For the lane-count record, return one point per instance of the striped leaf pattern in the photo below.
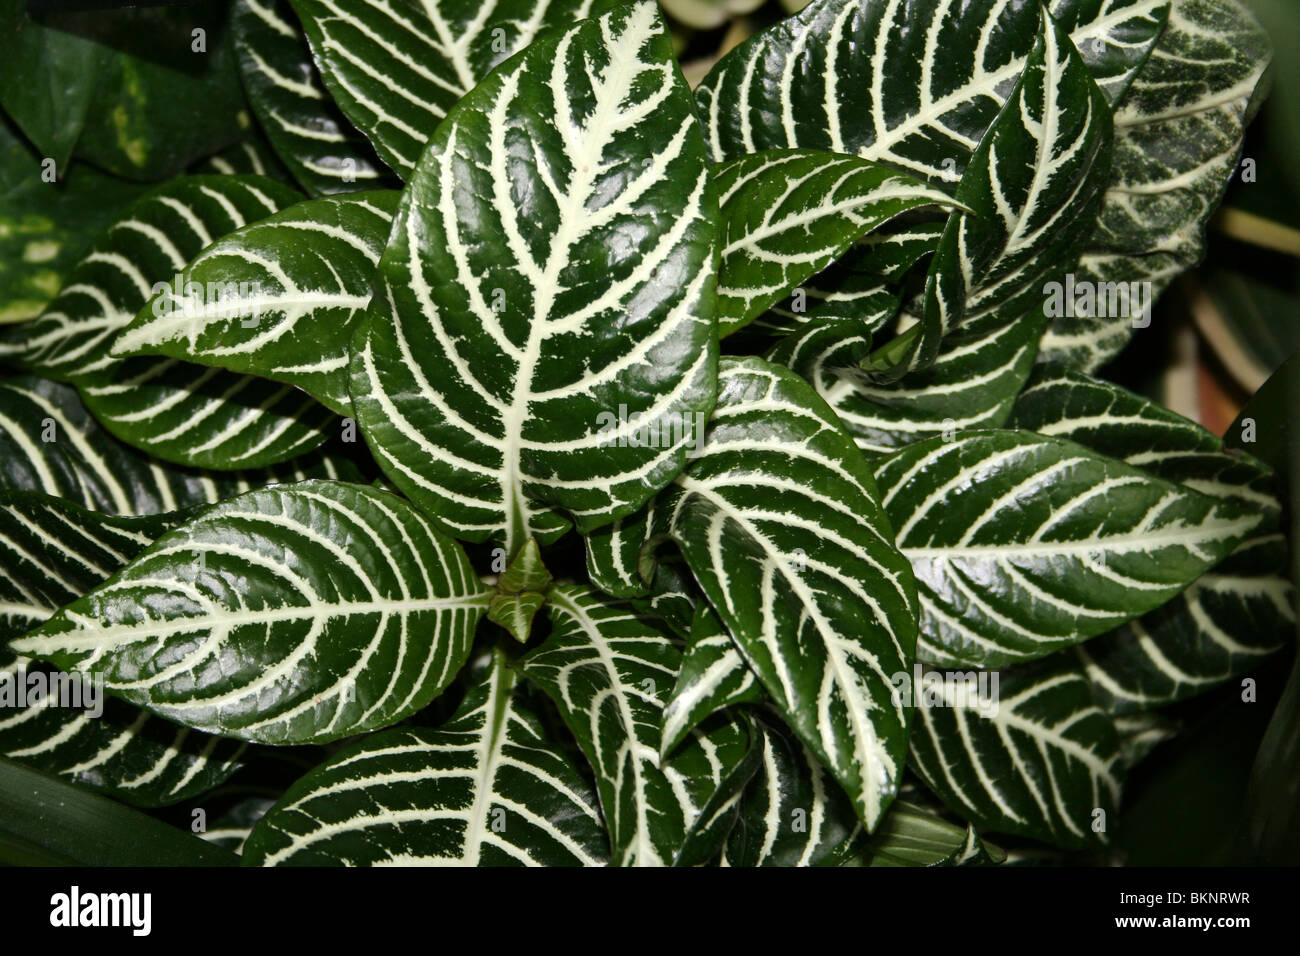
(1045, 764)
(913, 86)
(325, 153)
(713, 676)
(610, 672)
(778, 519)
(614, 554)
(49, 443)
(788, 214)
(251, 156)
(152, 241)
(1178, 137)
(206, 418)
(484, 789)
(125, 752)
(1023, 544)
(545, 293)
(297, 283)
(972, 384)
(674, 596)
(793, 813)
(331, 608)
(515, 612)
(1229, 618)
(916, 836)
(864, 285)
(396, 67)
(51, 553)
(1037, 173)
(47, 227)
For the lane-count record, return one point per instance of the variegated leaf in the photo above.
(865, 285)
(973, 383)
(788, 214)
(50, 444)
(546, 293)
(1178, 136)
(325, 153)
(484, 789)
(397, 67)
(1038, 173)
(614, 554)
(793, 813)
(145, 247)
(1142, 732)
(1023, 545)
(51, 553)
(296, 284)
(778, 519)
(713, 676)
(1039, 759)
(1229, 618)
(123, 751)
(250, 157)
(909, 85)
(915, 836)
(515, 612)
(527, 571)
(45, 228)
(293, 614)
(206, 418)
(609, 673)
(674, 595)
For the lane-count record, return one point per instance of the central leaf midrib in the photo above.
(125, 634)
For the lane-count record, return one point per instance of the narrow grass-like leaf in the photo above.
(913, 836)
(92, 831)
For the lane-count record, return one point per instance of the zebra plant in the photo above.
(563, 466)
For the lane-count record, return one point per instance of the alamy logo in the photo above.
(665, 431)
(969, 690)
(1099, 300)
(21, 688)
(74, 908)
(190, 304)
